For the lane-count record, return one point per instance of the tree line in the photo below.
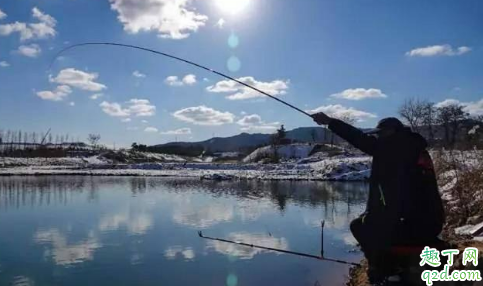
(448, 125)
(19, 143)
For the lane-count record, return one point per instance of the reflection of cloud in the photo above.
(22, 281)
(202, 217)
(336, 221)
(137, 224)
(245, 252)
(136, 258)
(252, 210)
(349, 239)
(173, 251)
(64, 253)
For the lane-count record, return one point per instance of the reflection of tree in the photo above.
(138, 185)
(18, 192)
(305, 193)
(38, 191)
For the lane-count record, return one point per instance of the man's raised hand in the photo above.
(321, 118)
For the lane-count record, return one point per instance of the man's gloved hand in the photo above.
(321, 118)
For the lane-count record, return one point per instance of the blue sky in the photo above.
(345, 57)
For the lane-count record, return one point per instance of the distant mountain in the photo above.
(245, 141)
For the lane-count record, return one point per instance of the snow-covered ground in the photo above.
(292, 151)
(334, 168)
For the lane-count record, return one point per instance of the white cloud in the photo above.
(181, 131)
(471, 107)
(2, 14)
(359, 93)
(254, 123)
(71, 103)
(78, 79)
(96, 96)
(173, 81)
(239, 92)
(135, 107)
(58, 94)
(447, 102)
(265, 128)
(4, 64)
(138, 74)
(114, 109)
(220, 23)
(151, 130)
(339, 111)
(202, 115)
(141, 107)
(474, 108)
(170, 19)
(248, 120)
(44, 28)
(438, 50)
(126, 120)
(31, 51)
(189, 79)
(144, 121)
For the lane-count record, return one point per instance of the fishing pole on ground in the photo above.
(321, 257)
(178, 59)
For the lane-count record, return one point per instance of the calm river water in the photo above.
(143, 231)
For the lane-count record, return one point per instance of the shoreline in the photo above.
(202, 175)
(327, 169)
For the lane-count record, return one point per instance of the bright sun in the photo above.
(232, 6)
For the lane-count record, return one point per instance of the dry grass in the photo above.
(460, 176)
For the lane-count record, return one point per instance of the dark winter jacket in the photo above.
(403, 189)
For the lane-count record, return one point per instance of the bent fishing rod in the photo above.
(181, 60)
(321, 257)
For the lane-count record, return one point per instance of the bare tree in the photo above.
(429, 119)
(413, 112)
(93, 139)
(450, 117)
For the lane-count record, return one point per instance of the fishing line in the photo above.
(178, 59)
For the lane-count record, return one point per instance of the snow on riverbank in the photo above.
(335, 168)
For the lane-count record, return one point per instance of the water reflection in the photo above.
(243, 252)
(63, 252)
(135, 224)
(173, 252)
(71, 229)
(202, 216)
(22, 281)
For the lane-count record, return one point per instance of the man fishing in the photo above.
(404, 205)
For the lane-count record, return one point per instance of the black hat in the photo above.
(386, 124)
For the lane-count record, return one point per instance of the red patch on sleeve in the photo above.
(425, 162)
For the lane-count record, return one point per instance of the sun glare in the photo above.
(232, 6)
